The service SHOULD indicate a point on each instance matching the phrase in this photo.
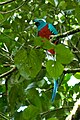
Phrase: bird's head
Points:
(40, 23)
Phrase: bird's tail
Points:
(54, 89)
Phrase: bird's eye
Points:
(37, 24)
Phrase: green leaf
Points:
(38, 41)
(62, 5)
(77, 13)
(63, 54)
(51, 2)
(32, 93)
(41, 74)
(18, 116)
(30, 113)
(54, 68)
(16, 97)
(3, 102)
(29, 62)
(67, 76)
(77, 75)
(47, 45)
(43, 42)
(1, 18)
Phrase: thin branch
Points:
(66, 70)
(65, 34)
(4, 55)
(3, 116)
(8, 72)
(13, 9)
(71, 70)
(6, 2)
(74, 46)
(49, 111)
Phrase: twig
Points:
(66, 70)
(8, 72)
(71, 70)
(13, 9)
(49, 111)
(4, 55)
(3, 116)
(74, 46)
(6, 2)
(65, 34)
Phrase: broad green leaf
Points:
(47, 45)
(29, 62)
(30, 113)
(62, 5)
(45, 100)
(54, 68)
(16, 97)
(77, 75)
(63, 54)
(32, 93)
(38, 41)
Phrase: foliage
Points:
(26, 74)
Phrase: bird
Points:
(45, 30)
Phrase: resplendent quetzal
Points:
(45, 30)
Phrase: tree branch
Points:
(6, 2)
(13, 9)
(75, 113)
(8, 72)
(66, 70)
(71, 70)
(65, 34)
(49, 111)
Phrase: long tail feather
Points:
(54, 89)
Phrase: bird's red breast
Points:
(45, 32)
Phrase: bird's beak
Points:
(34, 21)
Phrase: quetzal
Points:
(45, 30)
